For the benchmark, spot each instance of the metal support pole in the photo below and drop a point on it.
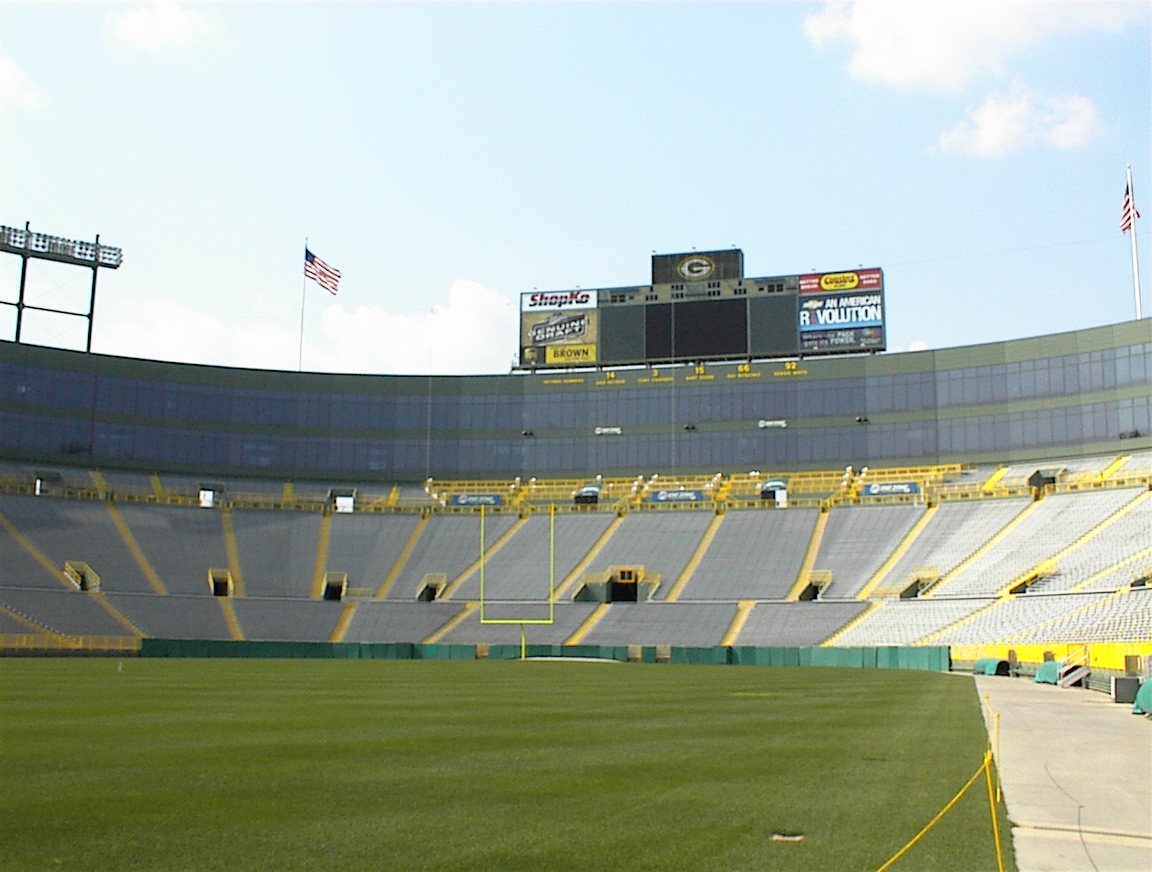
(92, 298)
(23, 280)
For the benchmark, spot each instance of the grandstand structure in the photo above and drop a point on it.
(992, 498)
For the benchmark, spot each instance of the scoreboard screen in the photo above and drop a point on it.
(703, 308)
(710, 328)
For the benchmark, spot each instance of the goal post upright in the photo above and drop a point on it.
(522, 622)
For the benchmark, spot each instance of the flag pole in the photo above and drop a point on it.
(303, 291)
(1135, 256)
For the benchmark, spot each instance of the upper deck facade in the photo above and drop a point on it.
(1076, 393)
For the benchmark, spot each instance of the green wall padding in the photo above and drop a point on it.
(935, 659)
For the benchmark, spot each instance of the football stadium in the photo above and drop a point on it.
(689, 588)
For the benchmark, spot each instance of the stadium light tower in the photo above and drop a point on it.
(30, 245)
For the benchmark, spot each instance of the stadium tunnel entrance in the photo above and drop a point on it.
(617, 584)
(431, 586)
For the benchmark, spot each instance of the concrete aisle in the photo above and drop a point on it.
(1076, 770)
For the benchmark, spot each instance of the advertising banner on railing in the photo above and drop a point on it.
(676, 496)
(890, 488)
(476, 500)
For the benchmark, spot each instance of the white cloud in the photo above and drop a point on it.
(1071, 122)
(918, 345)
(161, 25)
(944, 46)
(474, 332)
(16, 86)
(1005, 123)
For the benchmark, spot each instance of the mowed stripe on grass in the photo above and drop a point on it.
(483, 765)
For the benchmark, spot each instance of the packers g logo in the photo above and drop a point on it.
(696, 268)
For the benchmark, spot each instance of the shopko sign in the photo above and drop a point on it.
(538, 301)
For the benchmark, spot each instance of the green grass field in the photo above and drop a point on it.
(484, 765)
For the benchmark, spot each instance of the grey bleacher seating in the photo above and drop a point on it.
(857, 540)
(135, 481)
(905, 622)
(954, 532)
(18, 566)
(309, 490)
(796, 624)
(181, 543)
(976, 475)
(661, 542)
(1004, 619)
(448, 545)
(70, 530)
(394, 621)
(292, 620)
(1124, 616)
(660, 623)
(69, 612)
(1138, 463)
(519, 571)
(175, 616)
(411, 494)
(1098, 540)
(1050, 526)
(10, 624)
(1110, 555)
(366, 546)
(755, 554)
(16, 471)
(184, 485)
(277, 551)
(68, 476)
(567, 618)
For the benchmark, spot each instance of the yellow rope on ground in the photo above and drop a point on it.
(992, 810)
(985, 768)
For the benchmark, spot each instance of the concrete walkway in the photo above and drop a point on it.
(1076, 770)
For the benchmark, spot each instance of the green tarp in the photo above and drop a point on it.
(1048, 673)
(990, 666)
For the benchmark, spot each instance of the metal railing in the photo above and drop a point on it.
(55, 642)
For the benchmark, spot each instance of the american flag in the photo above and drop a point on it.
(324, 275)
(1128, 214)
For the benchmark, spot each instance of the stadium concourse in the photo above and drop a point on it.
(1076, 771)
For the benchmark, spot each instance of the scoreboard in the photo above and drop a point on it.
(699, 307)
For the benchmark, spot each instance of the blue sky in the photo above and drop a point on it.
(448, 156)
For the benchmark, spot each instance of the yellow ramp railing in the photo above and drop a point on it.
(801, 583)
(582, 566)
(233, 551)
(402, 560)
(694, 560)
(56, 642)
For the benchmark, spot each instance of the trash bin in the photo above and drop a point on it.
(1124, 688)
